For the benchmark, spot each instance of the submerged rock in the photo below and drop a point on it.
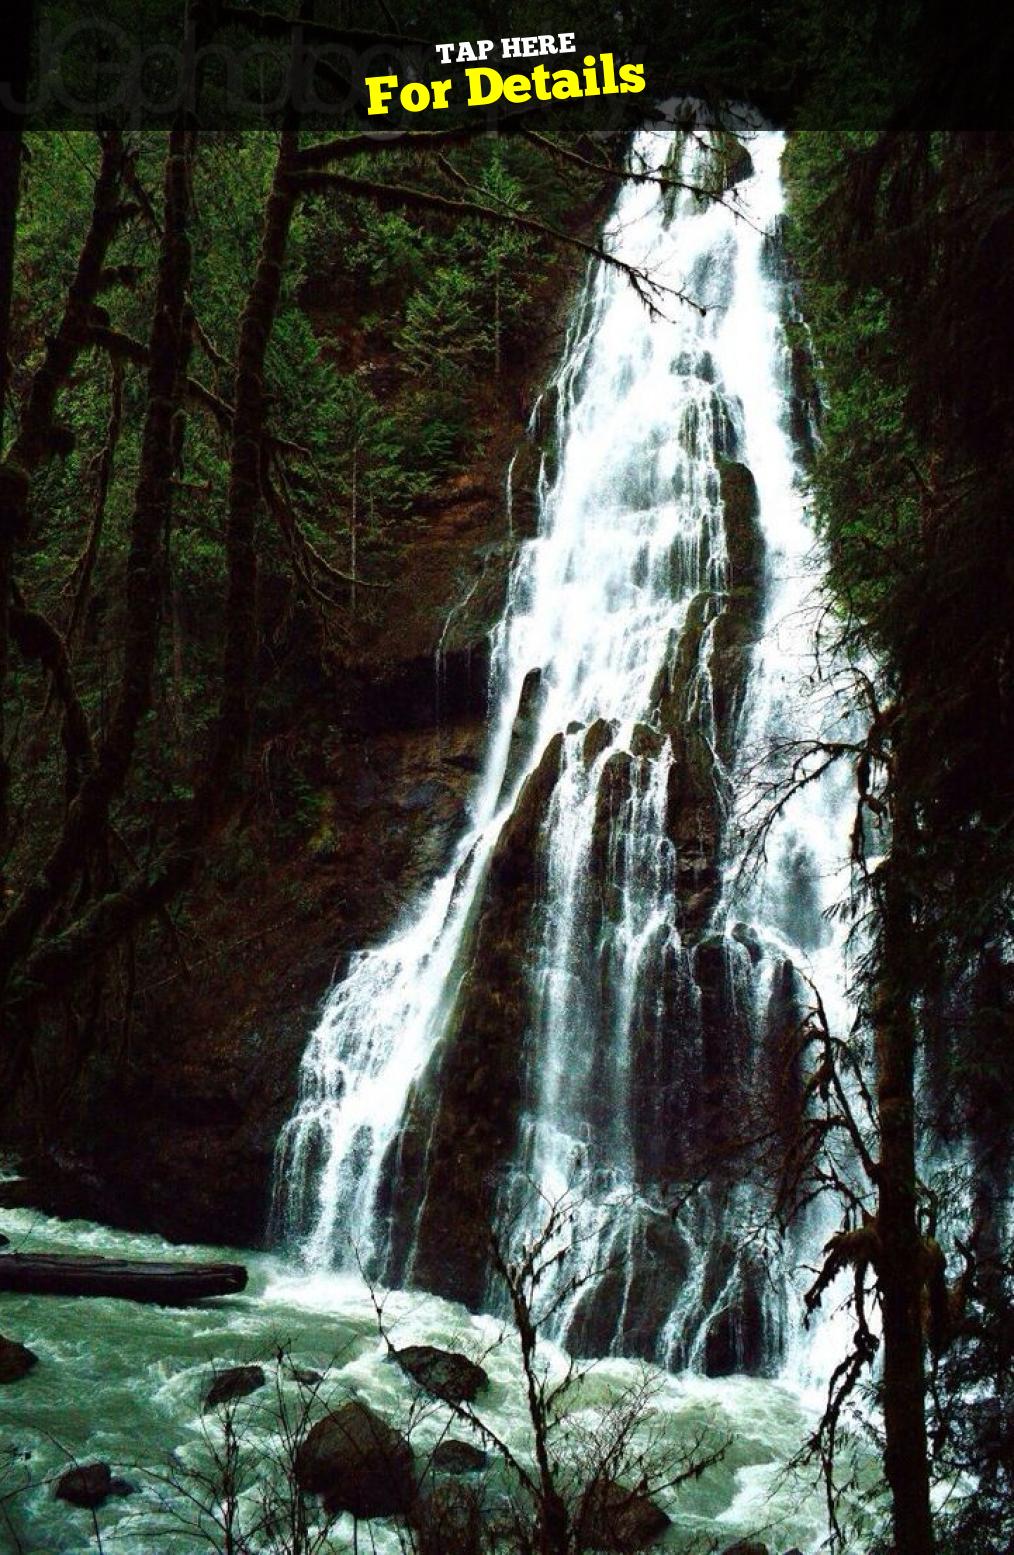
(16, 1360)
(454, 1457)
(87, 1485)
(236, 1382)
(747, 1547)
(614, 1518)
(358, 1463)
(445, 1373)
(303, 1375)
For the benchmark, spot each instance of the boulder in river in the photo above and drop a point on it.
(454, 1457)
(444, 1373)
(235, 1382)
(306, 1377)
(358, 1463)
(450, 1518)
(747, 1547)
(616, 1519)
(16, 1360)
(87, 1485)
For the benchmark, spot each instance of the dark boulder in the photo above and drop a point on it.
(736, 163)
(454, 1457)
(16, 1360)
(358, 1463)
(236, 1382)
(305, 1377)
(746, 1547)
(88, 1485)
(600, 736)
(444, 1373)
(614, 1518)
(450, 1518)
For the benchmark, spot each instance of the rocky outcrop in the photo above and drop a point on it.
(444, 1373)
(468, 1105)
(357, 1463)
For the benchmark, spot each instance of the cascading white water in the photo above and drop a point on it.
(631, 566)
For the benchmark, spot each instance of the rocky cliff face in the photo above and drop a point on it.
(356, 805)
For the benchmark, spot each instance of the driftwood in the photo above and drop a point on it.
(171, 1284)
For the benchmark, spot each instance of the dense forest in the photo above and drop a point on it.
(284, 423)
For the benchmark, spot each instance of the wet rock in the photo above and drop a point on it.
(16, 1360)
(747, 1547)
(235, 1382)
(646, 741)
(308, 1379)
(121, 1488)
(87, 1485)
(450, 1518)
(444, 1373)
(525, 482)
(613, 1518)
(612, 802)
(782, 1068)
(745, 936)
(454, 1457)
(600, 736)
(735, 161)
(524, 730)
(5, 1241)
(358, 1463)
(739, 623)
(736, 1340)
(743, 536)
(470, 1099)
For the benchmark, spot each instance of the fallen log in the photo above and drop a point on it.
(169, 1284)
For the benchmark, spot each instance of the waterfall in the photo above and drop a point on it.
(593, 1002)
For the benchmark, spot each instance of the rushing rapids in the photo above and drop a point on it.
(595, 1003)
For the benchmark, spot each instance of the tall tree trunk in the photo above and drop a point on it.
(87, 816)
(31, 445)
(220, 791)
(17, 51)
(64, 957)
(900, 1272)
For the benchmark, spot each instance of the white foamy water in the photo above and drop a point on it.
(631, 557)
